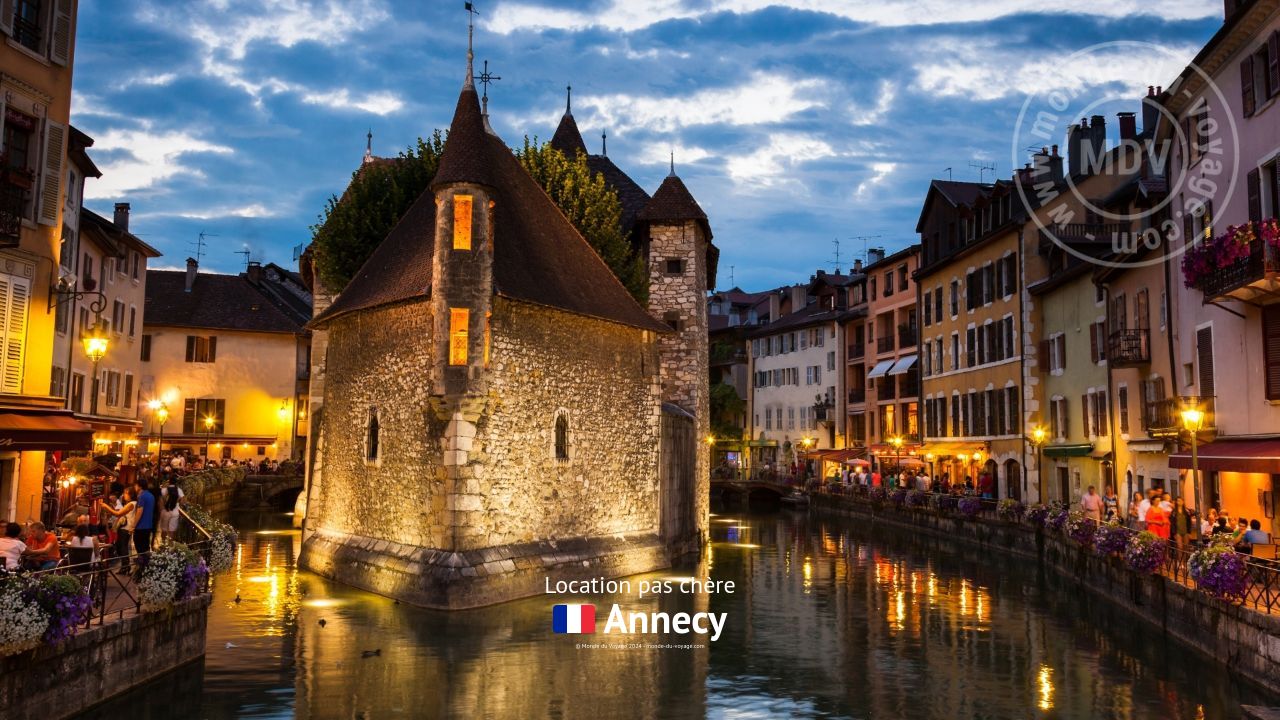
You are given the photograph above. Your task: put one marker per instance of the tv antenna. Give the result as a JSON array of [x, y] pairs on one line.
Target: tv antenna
[[865, 239], [836, 260], [731, 282], [948, 172], [246, 252], [200, 244], [982, 168]]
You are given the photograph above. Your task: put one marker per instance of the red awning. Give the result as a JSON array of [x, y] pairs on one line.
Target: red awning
[[1254, 456], [43, 432]]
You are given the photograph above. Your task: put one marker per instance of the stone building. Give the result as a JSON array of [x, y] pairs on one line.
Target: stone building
[[497, 408]]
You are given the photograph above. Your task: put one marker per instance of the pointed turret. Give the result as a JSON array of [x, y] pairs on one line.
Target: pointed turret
[[568, 139], [673, 203], [466, 153]]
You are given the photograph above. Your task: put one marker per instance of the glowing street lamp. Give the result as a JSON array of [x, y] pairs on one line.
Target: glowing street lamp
[[1038, 437], [896, 441], [209, 422], [161, 413], [95, 348], [1193, 420]]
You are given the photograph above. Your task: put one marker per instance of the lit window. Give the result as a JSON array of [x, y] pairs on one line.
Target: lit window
[[488, 336], [562, 438], [462, 222], [458, 319]]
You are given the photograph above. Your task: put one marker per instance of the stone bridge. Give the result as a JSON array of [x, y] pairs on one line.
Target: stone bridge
[[260, 491], [750, 489]]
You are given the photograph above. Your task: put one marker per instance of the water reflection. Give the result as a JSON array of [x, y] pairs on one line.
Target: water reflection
[[826, 621]]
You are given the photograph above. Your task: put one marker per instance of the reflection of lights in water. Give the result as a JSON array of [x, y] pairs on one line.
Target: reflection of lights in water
[[732, 535], [736, 545], [275, 532], [900, 607], [727, 520], [1045, 681], [288, 514], [932, 585], [964, 596], [808, 575], [260, 579]]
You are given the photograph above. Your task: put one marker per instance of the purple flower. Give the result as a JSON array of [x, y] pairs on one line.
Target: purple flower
[[916, 498], [945, 503], [1010, 509], [1144, 552], [877, 494], [898, 497], [1057, 518], [1220, 571], [1037, 514], [1110, 538], [970, 506]]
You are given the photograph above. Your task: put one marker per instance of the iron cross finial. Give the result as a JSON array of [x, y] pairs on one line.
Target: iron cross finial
[[485, 77], [568, 99]]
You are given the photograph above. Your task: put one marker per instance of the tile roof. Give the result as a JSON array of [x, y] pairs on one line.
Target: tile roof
[[568, 139], [216, 302], [631, 196], [672, 202], [539, 257]]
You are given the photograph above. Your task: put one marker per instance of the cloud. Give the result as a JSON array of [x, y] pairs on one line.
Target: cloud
[[141, 159], [378, 103], [657, 154], [881, 171], [764, 98], [770, 166], [250, 211], [632, 15], [863, 116]]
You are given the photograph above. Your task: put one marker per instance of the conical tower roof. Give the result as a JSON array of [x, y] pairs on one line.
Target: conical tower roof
[[673, 201], [568, 139], [466, 151]]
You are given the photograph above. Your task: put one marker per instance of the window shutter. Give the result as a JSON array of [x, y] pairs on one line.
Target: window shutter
[[1093, 342], [1102, 408], [1044, 355], [1273, 61], [55, 140], [1246, 85], [1204, 353], [60, 48], [1084, 413], [191, 348], [188, 417], [15, 295], [1188, 231], [1255, 194], [1271, 349], [7, 8], [1187, 139], [1123, 409], [213, 348]]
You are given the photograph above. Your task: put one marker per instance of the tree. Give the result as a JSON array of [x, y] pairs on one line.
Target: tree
[[379, 194], [726, 406], [591, 206]]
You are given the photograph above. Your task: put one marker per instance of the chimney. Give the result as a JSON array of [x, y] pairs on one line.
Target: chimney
[[254, 272], [1076, 138], [1046, 167], [121, 219], [192, 267], [1098, 135], [1128, 126], [875, 255], [775, 305], [1150, 111], [1230, 7], [857, 266], [799, 297]]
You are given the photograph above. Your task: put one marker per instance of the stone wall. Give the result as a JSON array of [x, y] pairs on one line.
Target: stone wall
[[1247, 641], [101, 662]]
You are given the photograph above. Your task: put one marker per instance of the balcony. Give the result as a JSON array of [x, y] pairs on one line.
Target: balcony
[[857, 397], [1074, 233], [907, 337], [884, 344], [857, 352], [887, 389], [1163, 418], [15, 189], [1253, 279], [909, 386], [1129, 348]]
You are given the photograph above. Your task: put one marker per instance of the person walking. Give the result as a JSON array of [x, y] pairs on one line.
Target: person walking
[[1091, 503], [1158, 520], [125, 519], [1182, 523], [145, 525], [1111, 505], [1133, 512], [170, 513]]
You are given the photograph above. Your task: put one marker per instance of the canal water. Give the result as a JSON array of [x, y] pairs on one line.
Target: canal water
[[828, 619]]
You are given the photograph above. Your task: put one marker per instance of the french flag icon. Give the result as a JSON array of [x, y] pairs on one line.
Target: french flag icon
[[573, 619]]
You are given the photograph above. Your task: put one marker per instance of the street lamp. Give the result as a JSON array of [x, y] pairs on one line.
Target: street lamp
[[95, 348], [209, 422], [161, 412], [929, 458], [1192, 420], [896, 441], [1038, 437]]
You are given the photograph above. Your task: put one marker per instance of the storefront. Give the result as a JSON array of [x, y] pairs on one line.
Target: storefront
[[1072, 468], [1238, 476], [32, 442]]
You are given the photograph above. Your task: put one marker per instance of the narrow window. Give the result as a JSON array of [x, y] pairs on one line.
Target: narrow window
[[673, 319], [462, 223], [562, 438], [488, 337], [458, 319], [371, 436], [675, 266]]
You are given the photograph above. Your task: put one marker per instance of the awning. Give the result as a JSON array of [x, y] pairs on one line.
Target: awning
[[1100, 453], [903, 365], [43, 432], [762, 443], [1062, 451], [881, 369], [1254, 456], [1147, 446], [945, 449]]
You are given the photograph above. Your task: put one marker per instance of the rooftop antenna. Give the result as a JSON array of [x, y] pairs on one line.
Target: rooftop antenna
[[948, 172], [836, 262], [485, 77], [568, 99], [604, 143], [982, 168], [471, 30], [865, 239], [200, 243], [731, 282], [245, 252]]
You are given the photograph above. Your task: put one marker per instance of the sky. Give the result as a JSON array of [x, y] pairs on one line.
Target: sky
[[795, 123]]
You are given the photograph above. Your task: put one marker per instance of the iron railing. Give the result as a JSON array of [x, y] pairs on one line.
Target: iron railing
[[857, 351], [884, 344], [1262, 259], [1129, 347]]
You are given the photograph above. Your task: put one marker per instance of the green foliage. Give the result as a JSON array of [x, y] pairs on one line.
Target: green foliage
[[379, 195], [591, 205], [725, 407]]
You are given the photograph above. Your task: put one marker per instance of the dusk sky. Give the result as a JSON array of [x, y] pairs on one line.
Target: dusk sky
[[793, 123]]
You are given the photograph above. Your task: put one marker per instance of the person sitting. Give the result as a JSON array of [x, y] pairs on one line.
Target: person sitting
[[84, 546], [1254, 535], [42, 548], [12, 547], [73, 513]]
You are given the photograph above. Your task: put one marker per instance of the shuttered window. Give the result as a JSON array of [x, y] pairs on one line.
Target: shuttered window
[[51, 172], [1246, 86], [15, 300], [1254, 185], [201, 349], [1271, 349], [1122, 399], [1204, 361], [1273, 61]]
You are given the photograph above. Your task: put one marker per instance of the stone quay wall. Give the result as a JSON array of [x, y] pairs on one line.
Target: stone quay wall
[[1246, 641], [99, 663]]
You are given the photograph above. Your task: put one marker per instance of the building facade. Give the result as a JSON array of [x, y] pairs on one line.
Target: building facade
[[36, 58], [224, 362], [893, 345]]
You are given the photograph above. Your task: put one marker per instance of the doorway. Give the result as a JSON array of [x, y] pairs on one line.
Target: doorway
[[1013, 479], [8, 489], [1064, 485]]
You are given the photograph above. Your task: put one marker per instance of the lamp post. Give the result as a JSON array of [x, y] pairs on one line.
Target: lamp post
[[95, 348], [929, 458], [896, 441], [1192, 420], [209, 422], [1038, 436], [161, 412]]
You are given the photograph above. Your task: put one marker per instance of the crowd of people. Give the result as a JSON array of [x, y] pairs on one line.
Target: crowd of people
[[1170, 518]]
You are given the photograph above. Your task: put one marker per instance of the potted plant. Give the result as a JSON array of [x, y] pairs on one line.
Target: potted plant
[[1010, 509], [1144, 552], [1219, 570]]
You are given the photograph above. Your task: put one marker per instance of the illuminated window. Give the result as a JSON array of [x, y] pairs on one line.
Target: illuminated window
[[461, 222], [562, 438], [458, 319], [488, 336], [371, 442]]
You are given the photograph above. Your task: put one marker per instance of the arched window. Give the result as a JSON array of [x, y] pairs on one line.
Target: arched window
[[562, 437], [371, 436]]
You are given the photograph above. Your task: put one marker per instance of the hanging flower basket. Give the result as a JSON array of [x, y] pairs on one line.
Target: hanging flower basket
[[1081, 528], [1219, 570], [1110, 539], [23, 622], [1207, 257], [898, 497], [876, 495], [1057, 518], [65, 603], [1037, 515], [946, 503], [1145, 552], [1010, 509], [169, 575], [917, 499], [970, 506]]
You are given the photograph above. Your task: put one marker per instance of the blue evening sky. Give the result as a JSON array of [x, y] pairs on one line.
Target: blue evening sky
[[793, 122]]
